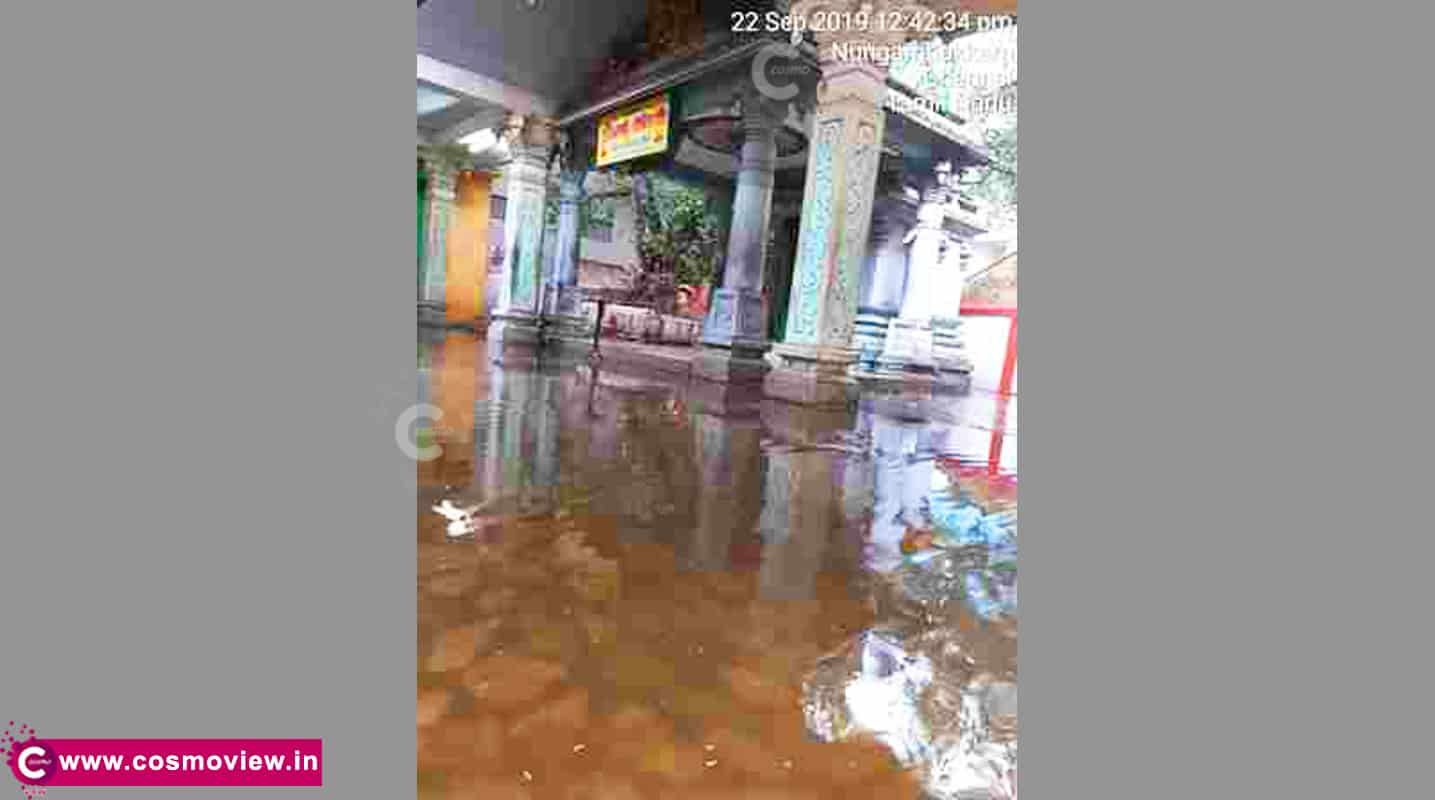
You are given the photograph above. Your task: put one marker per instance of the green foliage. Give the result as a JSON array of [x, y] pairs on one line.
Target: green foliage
[[678, 237], [592, 212], [680, 232], [597, 212], [996, 183]]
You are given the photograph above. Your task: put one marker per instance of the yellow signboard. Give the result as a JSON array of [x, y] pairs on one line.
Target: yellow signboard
[[639, 130]]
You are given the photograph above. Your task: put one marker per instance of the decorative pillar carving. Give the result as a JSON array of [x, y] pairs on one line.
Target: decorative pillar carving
[[735, 330], [531, 141], [842, 171]]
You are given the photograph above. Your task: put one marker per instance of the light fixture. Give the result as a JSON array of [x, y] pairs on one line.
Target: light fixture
[[480, 140]]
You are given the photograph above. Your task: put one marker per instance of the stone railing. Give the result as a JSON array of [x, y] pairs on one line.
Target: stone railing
[[639, 324]]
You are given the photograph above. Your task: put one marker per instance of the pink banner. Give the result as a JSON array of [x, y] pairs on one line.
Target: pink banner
[[167, 762]]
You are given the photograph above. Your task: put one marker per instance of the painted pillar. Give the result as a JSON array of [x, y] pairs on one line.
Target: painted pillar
[[467, 263], [884, 277], [909, 336], [842, 168], [562, 296], [440, 168], [948, 350], [530, 140], [736, 323]]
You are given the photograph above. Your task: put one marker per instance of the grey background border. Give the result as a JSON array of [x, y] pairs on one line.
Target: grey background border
[[207, 529], [208, 326], [1221, 596]]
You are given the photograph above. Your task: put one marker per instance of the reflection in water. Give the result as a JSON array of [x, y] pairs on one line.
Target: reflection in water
[[652, 593]]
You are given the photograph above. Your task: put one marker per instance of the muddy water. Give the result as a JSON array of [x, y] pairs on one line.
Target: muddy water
[[663, 594]]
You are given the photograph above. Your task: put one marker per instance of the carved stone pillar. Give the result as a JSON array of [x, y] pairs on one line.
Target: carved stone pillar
[[735, 331], [530, 141], [948, 349], [562, 300], [884, 277], [812, 360], [909, 337], [441, 166]]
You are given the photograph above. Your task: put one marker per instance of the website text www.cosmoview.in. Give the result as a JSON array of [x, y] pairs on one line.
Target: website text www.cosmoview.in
[[164, 762]]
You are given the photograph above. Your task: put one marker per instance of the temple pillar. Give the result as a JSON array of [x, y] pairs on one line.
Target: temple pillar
[[441, 166], [734, 333], [909, 336], [530, 141], [948, 349], [842, 167], [562, 297], [933, 292], [884, 276]]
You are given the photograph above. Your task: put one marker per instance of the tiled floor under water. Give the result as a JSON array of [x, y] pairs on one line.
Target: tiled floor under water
[[661, 596]]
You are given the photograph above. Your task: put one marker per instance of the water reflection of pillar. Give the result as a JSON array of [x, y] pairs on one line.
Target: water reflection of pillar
[[802, 492], [904, 456], [492, 422], [730, 479], [455, 387], [858, 495], [547, 432], [916, 476], [573, 422], [427, 472], [888, 526], [528, 437], [505, 457]]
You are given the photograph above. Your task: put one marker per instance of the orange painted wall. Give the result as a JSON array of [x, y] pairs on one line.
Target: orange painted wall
[[467, 266]]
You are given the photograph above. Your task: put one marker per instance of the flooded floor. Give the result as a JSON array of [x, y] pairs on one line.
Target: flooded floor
[[657, 592]]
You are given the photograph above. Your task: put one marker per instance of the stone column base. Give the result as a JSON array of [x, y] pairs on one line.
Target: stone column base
[[431, 313], [736, 322], [568, 329], [513, 337], [912, 385], [908, 347], [725, 365], [727, 400], [869, 337], [810, 375], [947, 348]]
